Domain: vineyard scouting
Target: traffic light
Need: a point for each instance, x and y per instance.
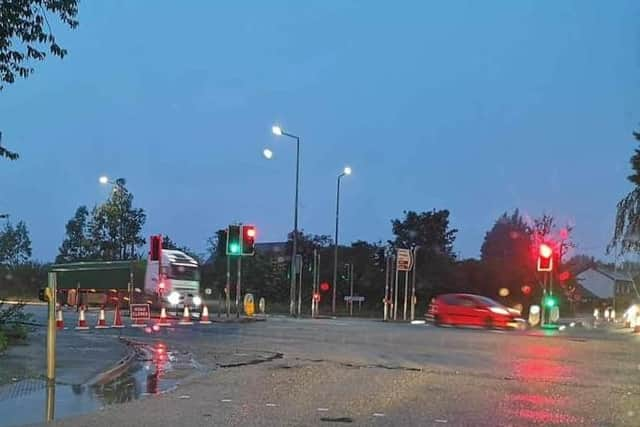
(526, 289)
(550, 301)
(234, 246)
(545, 258)
(248, 239)
(156, 247)
(325, 287)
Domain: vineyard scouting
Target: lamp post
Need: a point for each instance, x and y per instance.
(346, 171)
(277, 130)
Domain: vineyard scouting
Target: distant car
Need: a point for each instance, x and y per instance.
(472, 310)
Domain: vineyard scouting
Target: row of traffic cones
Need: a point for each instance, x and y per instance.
(117, 319)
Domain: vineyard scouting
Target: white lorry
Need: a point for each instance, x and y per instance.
(173, 281)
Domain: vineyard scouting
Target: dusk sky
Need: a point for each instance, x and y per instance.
(476, 107)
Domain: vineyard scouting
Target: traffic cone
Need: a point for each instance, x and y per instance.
(186, 317)
(204, 317)
(82, 322)
(164, 321)
(59, 320)
(117, 318)
(102, 323)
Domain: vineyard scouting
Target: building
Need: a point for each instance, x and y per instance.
(602, 287)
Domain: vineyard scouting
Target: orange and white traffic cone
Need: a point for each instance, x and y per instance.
(164, 321)
(117, 318)
(186, 317)
(102, 323)
(59, 319)
(204, 317)
(82, 322)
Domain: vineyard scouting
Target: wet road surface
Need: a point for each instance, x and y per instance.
(333, 372)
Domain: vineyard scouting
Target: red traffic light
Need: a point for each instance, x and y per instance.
(248, 239)
(156, 247)
(324, 286)
(545, 257)
(564, 276)
(545, 250)
(526, 289)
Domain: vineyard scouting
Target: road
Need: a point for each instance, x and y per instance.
(362, 372)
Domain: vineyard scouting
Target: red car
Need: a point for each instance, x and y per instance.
(472, 310)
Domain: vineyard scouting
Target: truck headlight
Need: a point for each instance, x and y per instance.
(173, 298)
(197, 301)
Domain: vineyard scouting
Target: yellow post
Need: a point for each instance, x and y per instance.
(50, 295)
(51, 328)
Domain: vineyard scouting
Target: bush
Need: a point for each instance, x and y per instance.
(12, 324)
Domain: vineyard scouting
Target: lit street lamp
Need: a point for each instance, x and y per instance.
(268, 154)
(119, 183)
(346, 171)
(277, 130)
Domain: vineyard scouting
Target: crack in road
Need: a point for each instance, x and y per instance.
(271, 358)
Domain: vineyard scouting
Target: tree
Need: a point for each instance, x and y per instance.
(24, 33)
(112, 232)
(15, 244)
(505, 256)
(25, 23)
(76, 245)
(435, 258)
(626, 232)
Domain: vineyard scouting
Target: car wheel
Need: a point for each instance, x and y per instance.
(437, 320)
(488, 322)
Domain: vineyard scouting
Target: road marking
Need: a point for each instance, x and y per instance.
(323, 409)
(378, 414)
(184, 396)
(438, 420)
(226, 400)
(271, 405)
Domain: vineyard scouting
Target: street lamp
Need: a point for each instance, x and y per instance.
(277, 130)
(119, 183)
(345, 171)
(268, 154)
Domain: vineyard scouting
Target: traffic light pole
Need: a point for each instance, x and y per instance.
(413, 282)
(300, 288)
(395, 295)
(386, 289)
(227, 288)
(238, 281)
(351, 289)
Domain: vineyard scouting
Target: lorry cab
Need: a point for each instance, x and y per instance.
(173, 281)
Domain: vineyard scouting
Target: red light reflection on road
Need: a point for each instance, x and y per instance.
(537, 366)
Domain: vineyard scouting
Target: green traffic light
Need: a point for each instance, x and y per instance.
(234, 248)
(550, 302)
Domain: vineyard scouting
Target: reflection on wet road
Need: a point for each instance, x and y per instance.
(153, 372)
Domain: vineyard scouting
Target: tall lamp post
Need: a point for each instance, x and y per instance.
(346, 171)
(277, 130)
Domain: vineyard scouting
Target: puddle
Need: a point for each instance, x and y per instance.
(25, 402)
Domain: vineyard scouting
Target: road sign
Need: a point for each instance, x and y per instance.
(404, 261)
(140, 312)
(354, 298)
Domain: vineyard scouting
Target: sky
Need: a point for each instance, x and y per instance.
(475, 107)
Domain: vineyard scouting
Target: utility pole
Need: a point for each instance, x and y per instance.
(301, 268)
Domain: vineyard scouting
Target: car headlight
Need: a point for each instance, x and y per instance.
(197, 300)
(499, 310)
(173, 298)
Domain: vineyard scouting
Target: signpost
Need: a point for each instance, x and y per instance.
(351, 299)
(403, 259)
(403, 263)
(140, 312)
